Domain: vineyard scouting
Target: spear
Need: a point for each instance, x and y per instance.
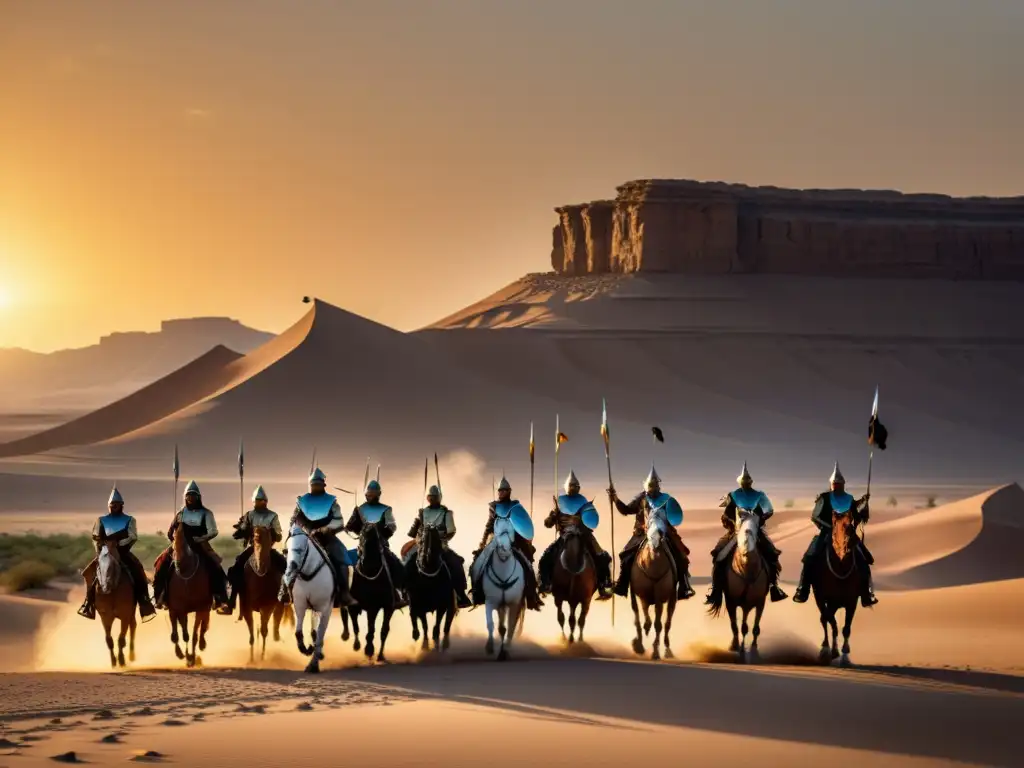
(531, 470)
(877, 435)
(176, 468)
(241, 474)
(426, 466)
(494, 493)
(312, 461)
(437, 474)
(608, 460)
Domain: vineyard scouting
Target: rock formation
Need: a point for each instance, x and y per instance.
(661, 225)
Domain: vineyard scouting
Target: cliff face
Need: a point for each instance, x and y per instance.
(714, 228)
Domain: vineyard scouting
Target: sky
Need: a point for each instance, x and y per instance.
(402, 159)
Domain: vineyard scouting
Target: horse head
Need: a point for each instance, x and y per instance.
(748, 525)
(504, 537)
(428, 552)
(180, 547)
(842, 530)
(297, 547)
(655, 532)
(108, 567)
(371, 549)
(262, 543)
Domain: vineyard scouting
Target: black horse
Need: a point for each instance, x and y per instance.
(431, 588)
(372, 589)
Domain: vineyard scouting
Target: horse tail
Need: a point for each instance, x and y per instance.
(716, 598)
(522, 619)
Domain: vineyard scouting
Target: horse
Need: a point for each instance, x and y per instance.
(503, 581)
(746, 582)
(372, 590)
(115, 599)
(431, 590)
(836, 586)
(262, 581)
(188, 591)
(311, 582)
(653, 580)
(574, 581)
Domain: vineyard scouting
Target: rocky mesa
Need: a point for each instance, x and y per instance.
(664, 225)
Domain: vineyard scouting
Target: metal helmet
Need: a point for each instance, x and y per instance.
(115, 497)
(744, 476)
(652, 478)
(571, 481)
(504, 485)
(837, 476)
(318, 476)
(434, 491)
(259, 494)
(192, 487)
(373, 486)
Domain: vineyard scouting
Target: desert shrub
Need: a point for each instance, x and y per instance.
(28, 574)
(893, 502)
(790, 504)
(930, 502)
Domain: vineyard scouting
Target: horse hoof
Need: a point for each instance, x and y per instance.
(120, 660)
(835, 654)
(844, 660)
(647, 628)
(197, 662)
(178, 653)
(668, 653)
(415, 635)
(131, 656)
(571, 639)
(753, 656)
(345, 635)
(369, 650)
(313, 667)
(382, 659)
(655, 656)
(356, 645)
(489, 648)
(502, 655)
(638, 647)
(824, 656)
(734, 646)
(446, 644)
(190, 662)
(202, 644)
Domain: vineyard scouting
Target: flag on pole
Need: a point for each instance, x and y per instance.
(532, 446)
(658, 434)
(605, 435)
(877, 433)
(561, 437)
(177, 466)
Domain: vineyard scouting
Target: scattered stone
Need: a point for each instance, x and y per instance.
(256, 709)
(56, 721)
(67, 757)
(144, 712)
(173, 722)
(111, 738)
(304, 706)
(104, 714)
(199, 716)
(8, 744)
(149, 756)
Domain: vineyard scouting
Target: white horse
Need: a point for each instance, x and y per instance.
(504, 583)
(311, 583)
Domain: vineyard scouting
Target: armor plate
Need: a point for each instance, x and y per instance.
(668, 506)
(518, 516)
(751, 500)
(351, 557)
(436, 518)
(114, 523)
(316, 507)
(194, 518)
(579, 506)
(841, 502)
(373, 512)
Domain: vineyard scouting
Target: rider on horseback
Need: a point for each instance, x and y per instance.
(200, 528)
(121, 528)
(568, 512)
(652, 501)
(258, 516)
(745, 497)
(522, 548)
(375, 513)
(319, 515)
(839, 501)
(436, 515)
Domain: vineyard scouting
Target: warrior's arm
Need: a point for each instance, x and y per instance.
(354, 524)
(275, 526)
(449, 524)
(131, 534)
(97, 531)
(389, 520)
(416, 525)
(816, 515)
(552, 518)
(335, 521)
(767, 509)
(174, 524)
(729, 515)
(627, 509)
(211, 528)
(861, 513)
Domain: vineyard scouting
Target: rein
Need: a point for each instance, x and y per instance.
(420, 549)
(380, 549)
(503, 584)
(828, 562)
(305, 556)
(177, 564)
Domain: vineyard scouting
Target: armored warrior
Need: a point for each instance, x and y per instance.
(319, 515)
(749, 498)
(522, 547)
(200, 528)
(374, 513)
(258, 516)
(652, 502)
(574, 509)
(436, 515)
(119, 527)
(839, 501)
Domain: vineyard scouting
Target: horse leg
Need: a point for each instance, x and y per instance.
(638, 641)
(108, 623)
(584, 610)
(572, 622)
(278, 617)
(247, 615)
(489, 647)
(844, 658)
(175, 620)
(438, 618)
(300, 623)
(371, 628)
(190, 656)
(669, 613)
(656, 648)
(561, 616)
(385, 629)
(415, 617)
(513, 612)
(823, 652)
(265, 615)
(345, 634)
(835, 633)
(756, 631)
(744, 630)
(204, 625)
(735, 645)
(317, 640)
(132, 625)
(449, 617)
(647, 617)
(503, 630)
(122, 641)
(354, 615)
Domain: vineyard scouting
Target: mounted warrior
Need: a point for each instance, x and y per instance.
(372, 512)
(748, 498)
(510, 509)
(117, 526)
(200, 528)
(572, 509)
(259, 516)
(319, 515)
(649, 503)
(838, 501)
(436, 515)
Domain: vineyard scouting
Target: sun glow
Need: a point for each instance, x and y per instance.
(5, 297)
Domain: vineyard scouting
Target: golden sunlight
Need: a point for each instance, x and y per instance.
(6, 297)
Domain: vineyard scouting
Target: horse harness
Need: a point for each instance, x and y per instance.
(503, 584)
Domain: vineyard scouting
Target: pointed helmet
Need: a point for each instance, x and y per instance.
(652, 479)
(372, 487)
(504, 485)
(571, 481)
(744, 476)
(434, 491)
(837, 476)
(192, 487)
(115, 497)
(259, 494)
(318, 476)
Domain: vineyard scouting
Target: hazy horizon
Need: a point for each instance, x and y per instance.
(403, 160)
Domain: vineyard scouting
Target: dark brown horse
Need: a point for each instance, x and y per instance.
(372, 589)
(262, 582)
(836, 584)
(188, 591)
(573, 581)
(431, 590)
(115, 599)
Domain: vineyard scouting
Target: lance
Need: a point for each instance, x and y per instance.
(426, 469)
(558, 445)
(437, 474)
(531, 470)
(871, 457)
(494, 493)
(608, 461)
(241, 483)
(366, 474)
(312, 461)
(378, 473)
(176, 468)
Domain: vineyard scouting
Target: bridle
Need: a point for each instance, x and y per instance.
(305, 556)
(177, 562)
(492, 576)
(362, 548)
(853, 558)
(421, 549)
(116, 576)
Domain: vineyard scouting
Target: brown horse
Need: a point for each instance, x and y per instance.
(188, 591)
(746, 583)
(836, 584)
(653, 580)
(115, 599)
(573, 581)
(262, 582)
